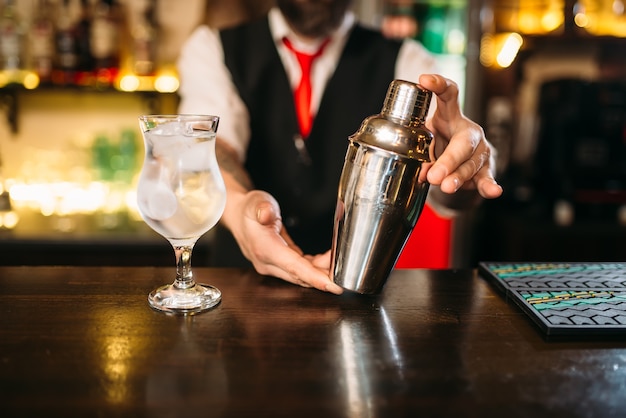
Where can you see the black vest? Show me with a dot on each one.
(305, 190)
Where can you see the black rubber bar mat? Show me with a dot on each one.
(565, 298)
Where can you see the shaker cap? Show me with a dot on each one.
(399, 128)
(406, 102)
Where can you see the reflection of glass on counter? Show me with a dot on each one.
(8, 217)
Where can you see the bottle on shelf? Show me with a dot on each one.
(144, 32)
(456, 32)
(84, 55)
(105, 41)
(434, 29)
(102, 152)
(66, 59)
(11, 38)
(42, 48)
(127, 162)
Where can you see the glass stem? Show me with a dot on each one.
(184, 276)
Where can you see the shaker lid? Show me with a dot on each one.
(407, 102)
(399, 128)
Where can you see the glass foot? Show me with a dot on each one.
(197, 298)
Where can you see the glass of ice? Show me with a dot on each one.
(181, 195)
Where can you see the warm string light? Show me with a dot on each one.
(500, 47)
(500, 50)
(166, 82)
(28, 79)
(510, 47)
(601, 17)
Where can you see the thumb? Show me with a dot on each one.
(262, 207)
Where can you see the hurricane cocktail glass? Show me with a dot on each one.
(181, 195)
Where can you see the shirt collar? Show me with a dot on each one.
(280, 29)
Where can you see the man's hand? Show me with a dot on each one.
(259, 231)
(465, 159)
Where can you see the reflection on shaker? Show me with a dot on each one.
(380, 198)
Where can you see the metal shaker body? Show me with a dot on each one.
(380, 197)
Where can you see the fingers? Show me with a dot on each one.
(272, 251)
(466, 157)
(447, 101)
(488, 187)
(444, 88)
(454, 170)
(290, 266)
(322, 261)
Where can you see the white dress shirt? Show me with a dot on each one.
(206, 85)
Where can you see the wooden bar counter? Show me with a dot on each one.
(82, 341)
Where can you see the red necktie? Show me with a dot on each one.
(302, 95)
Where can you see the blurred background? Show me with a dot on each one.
(545, 78)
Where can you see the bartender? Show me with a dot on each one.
(285, 119)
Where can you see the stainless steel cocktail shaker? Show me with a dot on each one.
(380, 198)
